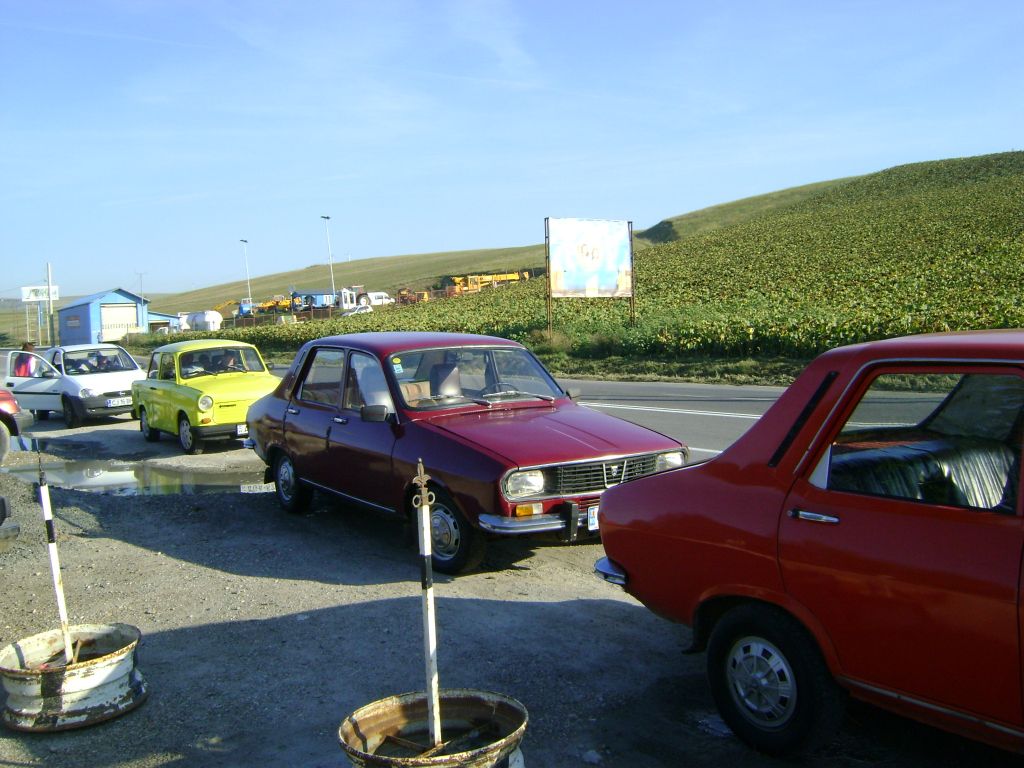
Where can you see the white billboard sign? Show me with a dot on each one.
(38, 293)
(590, 257)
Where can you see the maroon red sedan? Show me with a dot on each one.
(506, 448)
(865, 537)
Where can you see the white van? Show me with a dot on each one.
(82, 381)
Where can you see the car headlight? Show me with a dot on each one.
(528, 483)
(669, 460)
(86, 392)
(205, 403)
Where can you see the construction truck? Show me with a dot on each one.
(358, 296)
(474, 283)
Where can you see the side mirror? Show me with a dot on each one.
(152, 374)
(574, 394)
(50, 373)
(374, 413)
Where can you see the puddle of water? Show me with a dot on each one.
(138, 478)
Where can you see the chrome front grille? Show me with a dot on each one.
(596, 476)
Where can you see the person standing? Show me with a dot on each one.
(25, 361)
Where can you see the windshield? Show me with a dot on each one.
(454, 376)
(213, 362)
(79, 362)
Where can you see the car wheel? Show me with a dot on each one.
(770, 682)
(72, 418)
(189, 440)
(151, 435)
(292, 494)
(455, 545)
(5, 441)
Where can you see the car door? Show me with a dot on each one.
(359, 452)
(152, 391)
(917, 587)
(310, 414)
(40, 390)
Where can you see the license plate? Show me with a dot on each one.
(592, 518)
(115, 402)
(242, 429)
(257, 488)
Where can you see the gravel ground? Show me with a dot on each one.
(262, 631)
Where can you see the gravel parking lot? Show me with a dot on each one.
(262, 631)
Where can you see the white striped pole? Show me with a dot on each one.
(58, 584)
(422, 502)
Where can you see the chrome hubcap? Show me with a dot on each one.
(444, 533)
(761, 682)
(285, 479)
(185, 434)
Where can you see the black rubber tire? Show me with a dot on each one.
(293, 495)
(456, 546)
(41, 415)
(151, 435)
(72, 418)
(759, 656)
(189, 441)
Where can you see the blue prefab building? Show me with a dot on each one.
(106, 316)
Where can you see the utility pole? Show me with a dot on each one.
(49, 302)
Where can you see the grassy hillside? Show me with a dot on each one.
(419, 270)
(923, 247)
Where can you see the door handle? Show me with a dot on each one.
(813, 517)
(291, 410)
(340, 420)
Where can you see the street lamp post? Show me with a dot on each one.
(330, 256)
(248, 285)
(245, 255)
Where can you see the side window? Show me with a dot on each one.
(365, 383)
(950, 439)
(322, 383)
(166, 367)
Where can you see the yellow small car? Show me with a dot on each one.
(200, 390)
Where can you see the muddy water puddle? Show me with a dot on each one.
(138, 478)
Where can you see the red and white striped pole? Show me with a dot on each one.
(58, 584)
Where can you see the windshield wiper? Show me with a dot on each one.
(520, 393)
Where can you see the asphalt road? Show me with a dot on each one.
(707, 418)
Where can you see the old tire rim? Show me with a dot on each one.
(445, 532)
(185, 434)
(761, 682)
(286, 479)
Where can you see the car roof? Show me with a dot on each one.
(383, 343)
(995, 345)
(195, 345)
(80, 347)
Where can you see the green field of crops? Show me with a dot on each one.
(924, 247)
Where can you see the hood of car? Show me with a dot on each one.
(536, 435)
(234, 386)
(106, 382)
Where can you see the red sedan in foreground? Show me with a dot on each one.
(865, 537)
(507, 450)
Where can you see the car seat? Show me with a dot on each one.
(445, 380)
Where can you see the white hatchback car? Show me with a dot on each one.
(83, 381)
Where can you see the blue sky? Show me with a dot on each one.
(150, 136)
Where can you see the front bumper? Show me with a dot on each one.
(571, 521)
(221, 430)
(92, 407)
